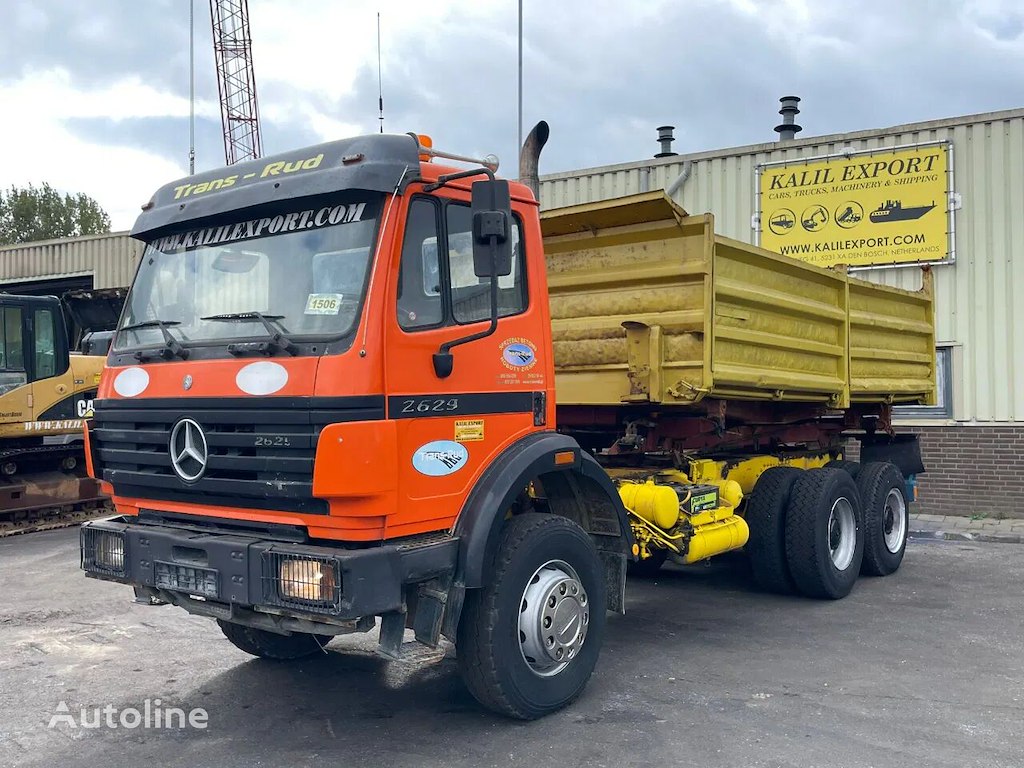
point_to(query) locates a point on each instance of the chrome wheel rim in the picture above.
(554, 615)
(842, 533)
(894, 521)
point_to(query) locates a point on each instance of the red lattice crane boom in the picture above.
(236, 82)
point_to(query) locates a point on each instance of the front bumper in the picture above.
(220, 574)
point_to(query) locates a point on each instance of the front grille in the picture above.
(261, 450)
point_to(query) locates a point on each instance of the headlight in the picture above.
(314, 580)
(103, 551)
(110, 551)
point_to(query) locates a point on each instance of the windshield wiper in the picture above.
(278, 334)
(171, 346)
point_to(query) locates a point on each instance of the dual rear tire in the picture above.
(814, 531)
(824, 533)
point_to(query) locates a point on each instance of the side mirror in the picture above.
(492, 220)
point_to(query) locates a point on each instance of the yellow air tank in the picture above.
(716, 538)
(656, 504)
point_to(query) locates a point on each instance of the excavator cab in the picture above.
(45, 391)
(33, 346)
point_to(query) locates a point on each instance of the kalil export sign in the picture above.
(873, 208)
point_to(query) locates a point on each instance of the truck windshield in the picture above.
(306, 269)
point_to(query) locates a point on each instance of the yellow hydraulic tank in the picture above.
(656, 504)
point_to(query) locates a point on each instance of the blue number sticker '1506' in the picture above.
(440, 458)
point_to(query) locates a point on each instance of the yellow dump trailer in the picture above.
(649, 305)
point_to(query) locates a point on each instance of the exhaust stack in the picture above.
(529, 157)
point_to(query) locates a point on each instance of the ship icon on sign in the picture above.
(893, 210)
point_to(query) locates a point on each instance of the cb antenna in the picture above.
(380, 85)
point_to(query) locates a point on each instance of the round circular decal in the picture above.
(263, 378)
(439, 458)
(518, 354)
(131, 382)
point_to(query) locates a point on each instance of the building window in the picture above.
(943, 409)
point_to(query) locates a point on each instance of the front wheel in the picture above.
(528, 641)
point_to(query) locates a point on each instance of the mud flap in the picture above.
(902, 450)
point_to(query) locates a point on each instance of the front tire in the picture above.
(886, 518)
(824, 533)
(270, 645)
(528, 641)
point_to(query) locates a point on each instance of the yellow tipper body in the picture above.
(648, 305)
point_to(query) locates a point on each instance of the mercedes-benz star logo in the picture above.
(188, 449)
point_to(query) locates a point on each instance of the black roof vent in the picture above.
(788, 128)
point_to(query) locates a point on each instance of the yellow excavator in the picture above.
(46, 394)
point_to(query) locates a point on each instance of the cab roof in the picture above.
(376, 162)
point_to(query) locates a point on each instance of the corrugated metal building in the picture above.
(56, 266)
(974, 440)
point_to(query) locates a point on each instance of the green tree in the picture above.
(42, 213)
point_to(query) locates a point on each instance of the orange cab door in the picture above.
(450, 428)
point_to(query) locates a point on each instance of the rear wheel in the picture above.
(528, 641)
(886, 518)
(766, 517)
(270, 645)
(824, 536)
(851, 467)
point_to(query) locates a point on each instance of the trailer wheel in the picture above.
(528, 641)
(886, 517)
(824, 533)
(851, 467)
(270, 645)
(766, 517)
(649, 568)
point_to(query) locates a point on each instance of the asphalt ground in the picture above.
(924, 668)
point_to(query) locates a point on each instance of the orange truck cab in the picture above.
(330, 399)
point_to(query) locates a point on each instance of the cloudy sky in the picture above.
(94, 95)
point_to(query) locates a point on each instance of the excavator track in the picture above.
(42, 501)
(40, 456)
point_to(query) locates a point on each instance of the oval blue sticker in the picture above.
(440, 458)
(518, 355)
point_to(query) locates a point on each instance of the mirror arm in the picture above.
(442, 180)
(443, 360)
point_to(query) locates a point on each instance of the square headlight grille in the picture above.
(104, 551)
(310, 583)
